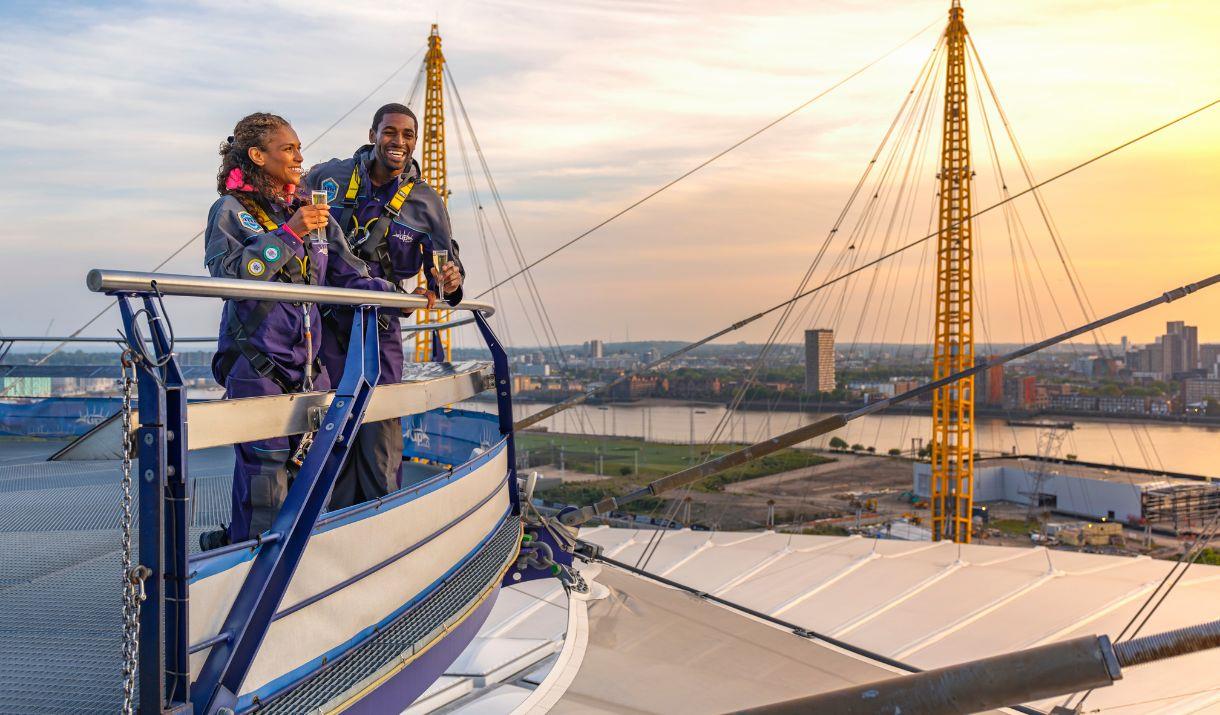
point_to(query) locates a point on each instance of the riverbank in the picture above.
(814, 406)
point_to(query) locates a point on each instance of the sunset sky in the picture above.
(113, 113)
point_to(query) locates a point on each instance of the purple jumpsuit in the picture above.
(375, 466)
(262, 348)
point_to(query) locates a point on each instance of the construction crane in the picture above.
(953, 404)
(432, 166)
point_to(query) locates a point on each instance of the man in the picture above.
(393, 220)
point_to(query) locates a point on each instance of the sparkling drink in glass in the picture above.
(439, 259)
(315, 198)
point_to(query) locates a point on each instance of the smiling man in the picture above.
(393, 220)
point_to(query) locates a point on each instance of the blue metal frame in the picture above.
(164, 519)
(504, 403)
(161, 441)
(264, 587)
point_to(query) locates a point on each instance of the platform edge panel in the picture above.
(215, 423)
(399, 661)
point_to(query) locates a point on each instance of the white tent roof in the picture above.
(927, 604)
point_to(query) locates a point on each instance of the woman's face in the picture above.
(281, 157)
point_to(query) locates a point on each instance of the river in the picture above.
(1193, 449)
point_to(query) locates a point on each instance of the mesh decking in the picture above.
(60, 587)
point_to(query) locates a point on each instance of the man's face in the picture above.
(394, 141)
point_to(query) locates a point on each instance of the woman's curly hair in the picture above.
(252, 131)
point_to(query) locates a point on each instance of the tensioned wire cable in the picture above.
(837, 279)
(710, 160)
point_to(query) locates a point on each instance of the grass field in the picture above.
(619, 457)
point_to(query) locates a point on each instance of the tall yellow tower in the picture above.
(432, 164)
(953, 404)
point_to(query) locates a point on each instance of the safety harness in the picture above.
(369, 241)
(242, 330)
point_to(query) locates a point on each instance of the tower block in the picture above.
(432, 165)
(953, 405)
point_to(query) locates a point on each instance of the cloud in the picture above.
(113, 113)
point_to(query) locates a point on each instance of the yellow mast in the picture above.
(432, 164)
(953, 405)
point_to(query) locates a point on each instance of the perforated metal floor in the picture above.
(60, 584)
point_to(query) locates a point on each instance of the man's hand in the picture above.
(451, 279)
(420, 290)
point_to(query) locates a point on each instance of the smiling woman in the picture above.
(260, 229)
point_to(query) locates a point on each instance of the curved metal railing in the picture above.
(109, 281)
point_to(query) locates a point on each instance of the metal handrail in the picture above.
(78, 339)
(108, 281)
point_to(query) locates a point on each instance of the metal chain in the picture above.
(133, 577)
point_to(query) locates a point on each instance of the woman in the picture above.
(260, 229)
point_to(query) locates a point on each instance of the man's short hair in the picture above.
(393, 108)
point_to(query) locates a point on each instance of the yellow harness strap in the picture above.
(263, 219)
(400, 197)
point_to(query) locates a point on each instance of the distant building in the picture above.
(1196, 390)
(1021, 393)
(989, 384)
(819, 360)
(1209, 355)
(1181, 346)
(596, 349)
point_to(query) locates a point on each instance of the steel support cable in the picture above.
(1072, 274)
(515, 245)
(535, 293)
(749, 320)
(890, 284)
(901, 200)
(481, 226)
(1027, 307)
(721, 153)
(864, 230)
(817, 310)
(1197, 550)
(531, 287)
(477, 201)
(757, 316)
(903, 203)
(194, 238)
(417, 83)
(768, 618)
(548, 332)
(926, 71)
(1081, 296)
(834, 422)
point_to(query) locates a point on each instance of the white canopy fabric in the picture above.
(927, 604)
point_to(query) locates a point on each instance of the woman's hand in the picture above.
(310, 217)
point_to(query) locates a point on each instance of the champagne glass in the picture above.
(318, 197)
(439, 259)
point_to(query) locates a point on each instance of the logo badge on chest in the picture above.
(249, 222)
(331, 187)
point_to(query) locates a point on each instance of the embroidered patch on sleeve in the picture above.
(249, 221)
(331, 187)
(271, 254)
(256, 267)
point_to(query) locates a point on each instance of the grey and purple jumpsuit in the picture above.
(262, 348)
(375, 466)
